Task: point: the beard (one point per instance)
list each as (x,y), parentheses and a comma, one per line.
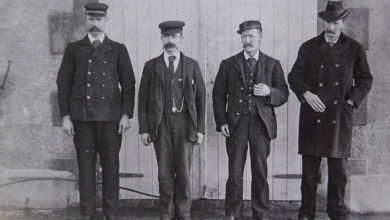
(170,46)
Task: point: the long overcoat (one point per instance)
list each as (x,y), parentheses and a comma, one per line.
(96,85)
(336,74)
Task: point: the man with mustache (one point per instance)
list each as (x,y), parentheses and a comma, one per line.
(96,89)
(330,77)
(248,86)
(171,108)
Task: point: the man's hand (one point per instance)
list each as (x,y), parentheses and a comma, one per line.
(261,89)
(67,125)
(314,101)
(199,138)
(225,130)
(124,124)
(145,138)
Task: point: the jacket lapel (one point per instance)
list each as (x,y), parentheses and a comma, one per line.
(104,48)
(160,67)
(239,64)
(86,46)
(260,67)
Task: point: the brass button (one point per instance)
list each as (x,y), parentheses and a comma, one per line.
(320,84)
(104,62)
(249,107)
(322,66)
(242,88)
(250,101)
(90,61)
(250,95)
(103,85)
(318,121)
(88,97)
(337,65)
(336,83)
(335,102)
(89,73)
(103,74)
(240,100)
(103,97)
(89,84)
(334,121)
(237,113)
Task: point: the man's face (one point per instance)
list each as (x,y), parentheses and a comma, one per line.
(96,24)
(171,42)
(333,29)
(251,39)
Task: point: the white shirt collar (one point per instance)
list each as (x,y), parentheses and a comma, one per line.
(100,38)
(176,62)
(328,41)
(256,56)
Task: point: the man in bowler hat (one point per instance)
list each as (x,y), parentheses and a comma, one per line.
(330,77)
(171,108)
(248,86)
(96,87)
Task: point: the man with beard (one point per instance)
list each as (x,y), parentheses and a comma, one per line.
(247,88)
(171,108)
(330,77)
(96,87)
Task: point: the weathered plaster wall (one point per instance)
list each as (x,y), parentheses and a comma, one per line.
(27,137)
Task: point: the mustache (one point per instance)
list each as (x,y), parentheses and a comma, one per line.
(329,32)
(169,46)
(94,29)
(247,45)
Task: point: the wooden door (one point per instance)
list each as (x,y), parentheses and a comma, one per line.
(209,37)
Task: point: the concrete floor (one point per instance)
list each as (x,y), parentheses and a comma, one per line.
(198,213)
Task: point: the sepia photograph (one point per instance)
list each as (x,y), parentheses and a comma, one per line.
(194,109)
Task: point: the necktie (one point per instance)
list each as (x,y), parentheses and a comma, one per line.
(96,44)
(252,63)
(171,67)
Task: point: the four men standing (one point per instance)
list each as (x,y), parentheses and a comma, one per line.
(96,89)
(247,88)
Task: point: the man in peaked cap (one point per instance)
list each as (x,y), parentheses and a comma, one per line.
(95,110)
(248,86)
(171,108)
(330,77)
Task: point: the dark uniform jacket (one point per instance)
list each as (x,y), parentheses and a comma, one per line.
(96,85)
(228,92)
(334,74)
(151,97)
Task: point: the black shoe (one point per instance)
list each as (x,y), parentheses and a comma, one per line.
(110,217)
(304,218)
(92,217)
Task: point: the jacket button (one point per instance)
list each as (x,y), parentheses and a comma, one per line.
(335,102)
(89,73)
(322,66)
(250,95)
(89,84)
(336,83)
(103,74)
(250,101)
(237,113)
(103,85)
(88,97)
(334,121)
(103,97)
(240,100)
(320,84)
(337,65)
(104,62)
(242,88)
(90,61)
(318,121)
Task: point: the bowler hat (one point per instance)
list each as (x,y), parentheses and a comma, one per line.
(335,10)
(251,24)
